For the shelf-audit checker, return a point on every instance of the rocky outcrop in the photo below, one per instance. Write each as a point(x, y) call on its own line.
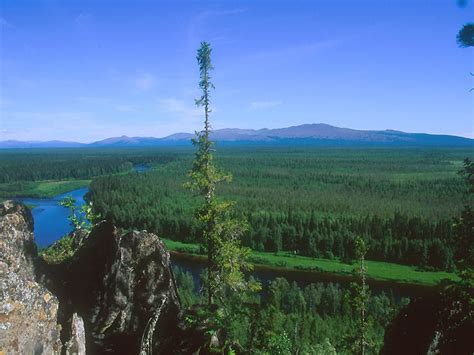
point(440, 324)
point(28, 311)
point(117, 284)
point(123, 287)
point(77, 341)
point(115, 295)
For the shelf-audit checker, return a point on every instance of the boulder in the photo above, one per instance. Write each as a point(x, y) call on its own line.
point(115, 295)
point(77, 341)
point(123, 287)
point(28, 311)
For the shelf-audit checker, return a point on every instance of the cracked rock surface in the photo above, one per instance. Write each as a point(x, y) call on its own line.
point(117, 283)
point(28, 311)
point(115, 295)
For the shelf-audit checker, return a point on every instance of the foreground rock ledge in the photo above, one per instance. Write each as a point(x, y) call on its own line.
point(28, 311)
point(116, 295)
point(117, 284)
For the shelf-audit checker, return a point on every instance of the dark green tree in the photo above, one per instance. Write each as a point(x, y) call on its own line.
point(361, 297)
point(465, 37)
point(457, 311)
point(464, 229)
point(221, 232)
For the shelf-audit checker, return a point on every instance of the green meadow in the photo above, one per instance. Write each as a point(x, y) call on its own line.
point(40, 189)
point(377, 270)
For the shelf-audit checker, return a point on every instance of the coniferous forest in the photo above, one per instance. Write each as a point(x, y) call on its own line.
point(324, 204)
point(315, 319)
point(311, 201)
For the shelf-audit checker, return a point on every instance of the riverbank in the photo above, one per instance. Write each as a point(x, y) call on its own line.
point(40, 189)
point(51, 219)
point(377, 270)
point(52, 188)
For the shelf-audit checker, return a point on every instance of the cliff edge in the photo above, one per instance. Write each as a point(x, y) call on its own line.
point(28, 311)
point(115, 295)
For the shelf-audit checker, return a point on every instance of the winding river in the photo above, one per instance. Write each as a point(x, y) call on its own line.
point(51, 223)
point(195, 265)
point(50, 219)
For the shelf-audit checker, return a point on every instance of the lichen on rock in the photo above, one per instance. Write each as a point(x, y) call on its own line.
point(28, 311)
point(100, 299)
point(115, 283)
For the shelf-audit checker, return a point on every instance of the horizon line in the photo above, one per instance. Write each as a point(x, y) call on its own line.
point(230, 128)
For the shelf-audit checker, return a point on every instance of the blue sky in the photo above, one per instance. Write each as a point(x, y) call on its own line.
point(83, 70)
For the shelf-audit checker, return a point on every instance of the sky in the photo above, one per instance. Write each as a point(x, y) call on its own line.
point(88, 70)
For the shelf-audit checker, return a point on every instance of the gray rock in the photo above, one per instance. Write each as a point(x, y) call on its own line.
point(28, 311)
point(119, 284)
point(76, 345)
point(116, 295)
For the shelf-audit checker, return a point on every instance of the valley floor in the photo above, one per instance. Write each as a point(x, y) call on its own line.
point(40, 189)
point(377, 270)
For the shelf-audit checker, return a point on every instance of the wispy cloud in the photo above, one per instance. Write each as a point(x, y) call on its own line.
point(24, 83)
point(34, 125)
point(144, 81)
point(95, 100)
point(5, 23)
point(203, 16)
point(296, 51)
point(198, 24)
point(176, 106)
point(69, 126)
point(124, 108)
point(4, 103)
point(69, 117)
point(107, 102)
point(228, 12)
point(257, 105)
point(82, 18)
point(177, 115)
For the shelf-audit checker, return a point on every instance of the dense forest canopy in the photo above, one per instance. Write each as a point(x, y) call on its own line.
point(316, 319)
point(73, 163)
point(312, 200)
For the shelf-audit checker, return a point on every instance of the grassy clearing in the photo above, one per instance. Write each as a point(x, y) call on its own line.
point(40, 189)
point(377, 270)
point(45, 188)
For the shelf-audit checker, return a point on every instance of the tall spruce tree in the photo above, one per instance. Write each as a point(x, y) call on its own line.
point(221, 232)
point(361, 296)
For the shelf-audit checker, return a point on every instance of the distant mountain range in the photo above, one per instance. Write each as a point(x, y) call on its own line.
point(39, 144)
point(307, 134)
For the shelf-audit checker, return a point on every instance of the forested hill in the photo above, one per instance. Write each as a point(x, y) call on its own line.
point(307, 134)
point(309, 200)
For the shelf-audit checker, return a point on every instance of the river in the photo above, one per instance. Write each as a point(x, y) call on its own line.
point(51, 220)
point(195, 265)
point(51, 223)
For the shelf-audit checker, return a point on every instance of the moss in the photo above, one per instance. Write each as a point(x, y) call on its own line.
point(60, 251)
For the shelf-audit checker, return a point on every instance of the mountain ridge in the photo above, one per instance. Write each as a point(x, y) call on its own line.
point(311, 133)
